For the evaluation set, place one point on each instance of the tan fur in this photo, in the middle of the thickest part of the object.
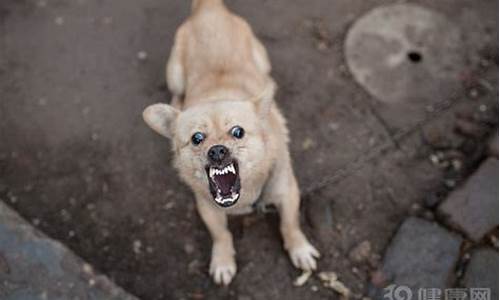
(218, 73)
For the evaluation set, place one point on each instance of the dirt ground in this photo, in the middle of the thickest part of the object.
(77, 160)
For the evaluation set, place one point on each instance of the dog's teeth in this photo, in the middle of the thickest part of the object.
(212, 172)
(231, 168)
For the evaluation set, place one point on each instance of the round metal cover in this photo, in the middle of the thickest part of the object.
(404, 52)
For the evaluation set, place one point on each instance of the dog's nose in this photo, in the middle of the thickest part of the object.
(218, 153)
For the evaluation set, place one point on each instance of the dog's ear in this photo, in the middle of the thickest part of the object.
(160, 117)
(265, 100)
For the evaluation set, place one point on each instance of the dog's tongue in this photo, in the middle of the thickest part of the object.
(225, 183)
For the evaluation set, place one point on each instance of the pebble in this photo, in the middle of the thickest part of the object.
(361, 252)
(137, 247)
(188, 248)
(168, 205)
(41, 3)
(473, 93)
(142, 55)
(307, 144)
(59, 21)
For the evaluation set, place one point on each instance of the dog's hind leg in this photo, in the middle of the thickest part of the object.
(175, 73)
(260, 57)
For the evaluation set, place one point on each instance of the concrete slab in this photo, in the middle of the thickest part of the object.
(482, 271)
(422, 254)
(473, 208)
(33, 266)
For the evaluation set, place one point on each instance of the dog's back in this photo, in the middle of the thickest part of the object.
(219, 49)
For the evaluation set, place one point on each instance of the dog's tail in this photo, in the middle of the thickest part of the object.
(198, 4)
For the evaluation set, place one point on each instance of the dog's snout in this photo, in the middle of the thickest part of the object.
(217, 153)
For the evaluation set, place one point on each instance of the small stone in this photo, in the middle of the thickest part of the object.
(137, 246)
(361, 252)
(456, 164)
(421, 254)
(333, 126)
(12, 199)
(474, 206)
(87, 268)
(302, 279)
(482, 271)
(307, 144)
(168, 205)
(188, 248)
(416, 208)
(105, 232)
(65, 215)
(473, 93)
(483, 108)
(42, 101)
(41, 3)
(450, 183)
(142, 55)
(59, 21)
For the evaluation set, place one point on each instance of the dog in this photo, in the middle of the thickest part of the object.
(229, 139)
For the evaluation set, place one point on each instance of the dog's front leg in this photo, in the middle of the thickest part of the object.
(222, 264)
(283, 191)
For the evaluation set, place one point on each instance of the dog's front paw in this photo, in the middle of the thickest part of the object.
(222, 268)
(304, 256)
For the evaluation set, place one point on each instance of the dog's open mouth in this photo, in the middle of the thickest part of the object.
(224, 183)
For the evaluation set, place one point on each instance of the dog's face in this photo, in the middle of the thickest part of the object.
(218, 146)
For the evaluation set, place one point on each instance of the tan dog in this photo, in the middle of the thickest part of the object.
(229, 138)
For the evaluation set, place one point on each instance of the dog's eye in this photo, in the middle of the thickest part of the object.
(237, 132)
(197, 138)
